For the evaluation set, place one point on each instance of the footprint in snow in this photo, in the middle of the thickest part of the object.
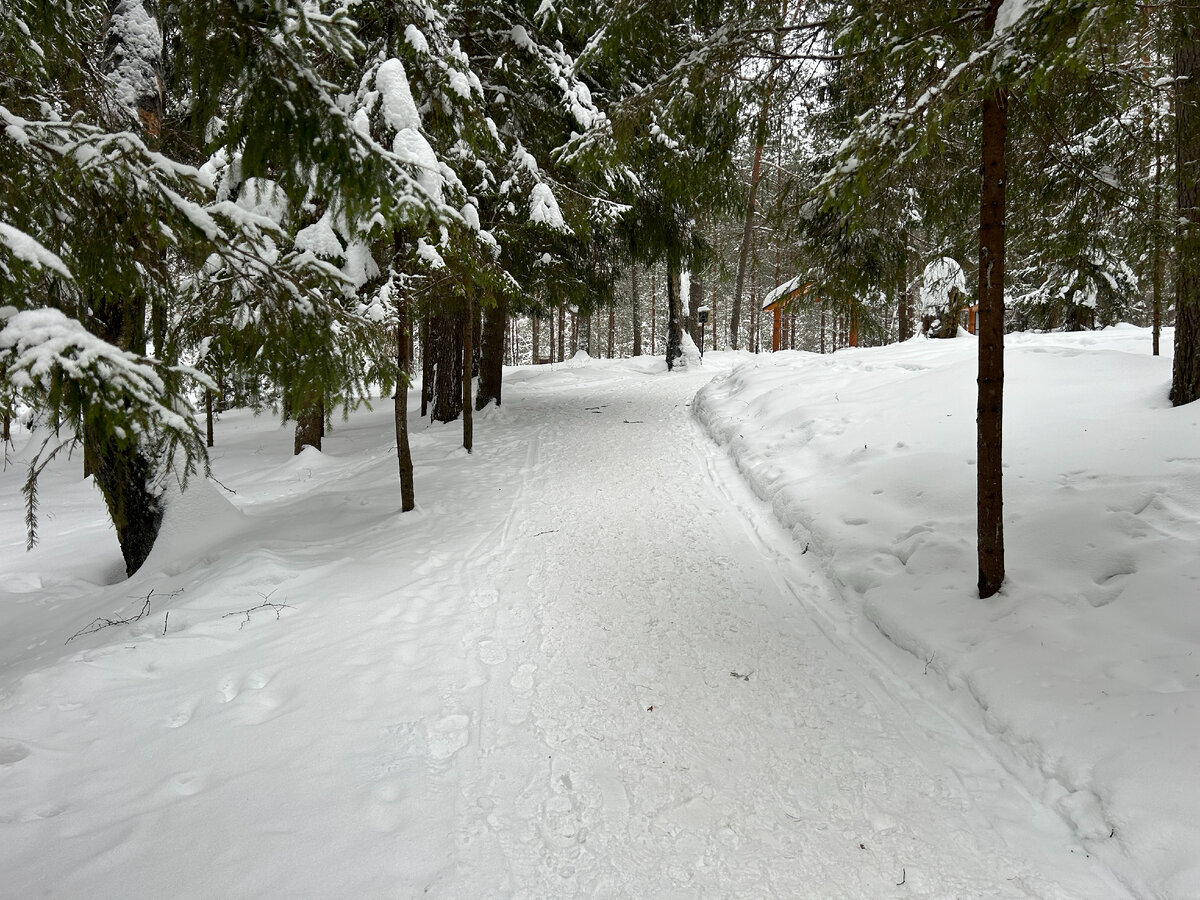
(447, 736)
(12, 753)
(492, 653)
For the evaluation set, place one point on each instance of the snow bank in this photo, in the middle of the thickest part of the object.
(196, 523)
(1085, 666)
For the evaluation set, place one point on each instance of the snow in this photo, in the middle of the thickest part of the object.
(543, 208)
(1084, 669)
(136, 48)
(1011, 12)
(412, 147)
(940, 277)
(320, 238)
(415, 39)
(610, 657)
(29, 250)
(399, 108)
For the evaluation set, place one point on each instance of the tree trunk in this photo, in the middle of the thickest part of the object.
(635, 307)
(904, 309)
(1185, 376)
(674, 323)
(123, 474)
(426, 363)
(562, 332)
(695, 301)
(536, 340)
(446, 333)
(310, 420)
(208, 419)
(468, 355)
(653, 311)
(990, 408)
(404, 459)
(612, 332)
(491, 366)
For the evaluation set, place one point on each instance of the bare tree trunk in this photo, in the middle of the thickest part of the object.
(491, 366)
(562, 332)
(468, 354)
(674, 317)
(1185, 376)
(536, 351)
(612, 332)
(309, 421)
(990, 408)
(404, 368)
(653, 311)
(208, 419)
(427, 376)
(635, 308)
(446, 334)
(695, 301)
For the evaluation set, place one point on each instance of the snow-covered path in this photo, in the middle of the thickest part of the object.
(591, 665)
(664, 713)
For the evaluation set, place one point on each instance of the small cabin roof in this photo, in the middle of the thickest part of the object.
(790, 289)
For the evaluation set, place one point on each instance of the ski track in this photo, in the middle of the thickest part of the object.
(613, 676)
(663, 714)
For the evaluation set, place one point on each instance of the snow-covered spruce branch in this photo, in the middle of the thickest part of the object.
(69, 376)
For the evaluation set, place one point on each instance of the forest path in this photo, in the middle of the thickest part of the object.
(591, 664)
(668, 709)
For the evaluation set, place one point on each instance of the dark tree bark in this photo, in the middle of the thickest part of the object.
(990, 407)
(695, 301)
(904, 311)
(310, 421)
(1185, 375)
(208, 418)
(674, 316)
(562, 332)
(536, 349)
(612, 332)
(491, 367)
(404, 459)
(635, 308)
(468, 340)
(446, 332)
(426, 364)
(123, 474)
(653, 311)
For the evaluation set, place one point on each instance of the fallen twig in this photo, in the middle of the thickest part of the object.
(102, 623)
(278, 607)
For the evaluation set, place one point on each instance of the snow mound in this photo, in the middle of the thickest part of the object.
(1082, 671)
(195, 523)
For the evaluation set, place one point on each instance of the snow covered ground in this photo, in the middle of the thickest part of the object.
(594, 663)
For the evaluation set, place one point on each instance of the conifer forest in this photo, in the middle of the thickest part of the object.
(484, 386)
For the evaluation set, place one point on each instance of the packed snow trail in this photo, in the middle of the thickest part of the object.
(589, 665)
(664, 715)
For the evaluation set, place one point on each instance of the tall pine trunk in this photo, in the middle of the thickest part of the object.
(695, 301)
(404, 459)
(1185, 376)
(990, 407)
(674, 318)
(468, 355)
(446, 332)
(491, 358)
(635, 309)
